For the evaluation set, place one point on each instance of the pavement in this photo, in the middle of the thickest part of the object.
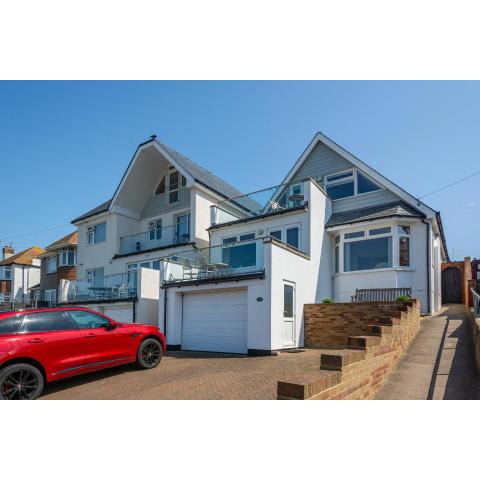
(190, 375)
(439, 365)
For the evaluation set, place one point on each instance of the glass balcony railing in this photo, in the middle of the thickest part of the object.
(108, 287)
(267, 201)
(155, 237)
(232, 259)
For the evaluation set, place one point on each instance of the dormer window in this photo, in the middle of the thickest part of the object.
(348, 184)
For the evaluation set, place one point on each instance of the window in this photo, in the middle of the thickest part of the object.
(276, 234)
(6, 273)
(45, 322)
(52, 264)
(368, 254)
(161, 187)
(287, 234)
(349, 184)
(288, 301)
(10, 325)
(51, 297)
(373, 248)
(67, 256)
(83, 320)
(132, 275)
(97, 233)
(404, 246)
(365, 185)
(241, 253)
(292, 237)
(182, 228)
(155, 230)
(95, 277)
(173, 187)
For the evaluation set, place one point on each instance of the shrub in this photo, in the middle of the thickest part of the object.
(403, 298)
(327, 300)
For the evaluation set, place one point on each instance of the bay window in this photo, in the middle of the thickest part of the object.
(372, 248)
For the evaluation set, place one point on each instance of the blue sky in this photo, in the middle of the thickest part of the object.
(65, 145)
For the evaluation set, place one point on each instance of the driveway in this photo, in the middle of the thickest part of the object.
(188, 375)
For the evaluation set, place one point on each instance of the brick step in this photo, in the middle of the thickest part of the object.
(389, 321)
(379, 330)
(340, 360)
(305, 385)
(363, 341)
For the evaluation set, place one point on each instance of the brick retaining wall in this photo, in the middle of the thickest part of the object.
(377, 334)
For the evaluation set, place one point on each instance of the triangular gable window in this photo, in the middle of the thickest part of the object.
(365, 185)
(161, 187)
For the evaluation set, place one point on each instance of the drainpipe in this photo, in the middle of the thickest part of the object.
(429, 307)
(165, 312)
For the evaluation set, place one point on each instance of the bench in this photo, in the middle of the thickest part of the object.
(380, 294)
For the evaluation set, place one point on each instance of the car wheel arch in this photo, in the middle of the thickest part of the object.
(30, 361)
(151, 335)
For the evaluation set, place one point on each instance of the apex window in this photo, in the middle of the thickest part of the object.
(348, 184)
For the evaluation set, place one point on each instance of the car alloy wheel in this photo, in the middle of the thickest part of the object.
(150, 353)
(20, 384)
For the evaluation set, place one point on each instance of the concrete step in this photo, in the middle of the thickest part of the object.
(363, 341)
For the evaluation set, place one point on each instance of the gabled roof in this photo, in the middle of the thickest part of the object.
(379, 178)
(195, 171)
(387, 210)
(24, 258)
(70, 239)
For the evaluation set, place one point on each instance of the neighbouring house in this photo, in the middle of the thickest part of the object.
(19, 273)
(476, 274)
(58, 263)
(234, 271)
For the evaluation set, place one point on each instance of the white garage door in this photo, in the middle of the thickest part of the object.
(119, 313)
(215, 321)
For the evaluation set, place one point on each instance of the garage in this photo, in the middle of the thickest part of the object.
(120, 313)
(215, 321)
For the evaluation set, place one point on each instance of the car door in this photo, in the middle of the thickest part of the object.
(102, 345)
(50, 338)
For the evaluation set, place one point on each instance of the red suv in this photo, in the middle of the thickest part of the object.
(39, 346)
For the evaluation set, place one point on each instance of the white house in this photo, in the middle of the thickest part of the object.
(19, 274)
(229, 272)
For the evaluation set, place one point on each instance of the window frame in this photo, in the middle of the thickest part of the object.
(155, 227)
(283, 236)
(65, 251)
(92, 233)
(394, 233)
(52, 292)
(3, 270)
(354, 178)
(51, 259)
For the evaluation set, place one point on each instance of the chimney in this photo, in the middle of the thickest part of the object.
(7, 251)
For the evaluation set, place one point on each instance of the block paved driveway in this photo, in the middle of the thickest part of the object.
(189, 375)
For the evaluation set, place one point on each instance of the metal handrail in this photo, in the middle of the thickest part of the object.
(476, 301)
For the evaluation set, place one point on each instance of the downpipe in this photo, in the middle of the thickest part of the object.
(429, 306)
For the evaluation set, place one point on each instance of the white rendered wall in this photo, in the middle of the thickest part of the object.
(148, 294)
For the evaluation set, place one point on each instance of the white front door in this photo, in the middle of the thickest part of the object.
(288, 314)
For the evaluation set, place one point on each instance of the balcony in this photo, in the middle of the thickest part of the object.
(106, 288)
(270, 201)
(154, 238)
(239, 259)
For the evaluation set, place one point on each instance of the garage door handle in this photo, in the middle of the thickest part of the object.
(35, 340)
(90, 335)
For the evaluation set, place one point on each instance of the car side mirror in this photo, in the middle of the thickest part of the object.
(111, 326)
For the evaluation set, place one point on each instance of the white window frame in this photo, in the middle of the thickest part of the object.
(51, 259)
(237, 238)
(354, 178)
(283, 229)
(155, 227)
(51, 296)
(171, 190)
(91, 234)
(90, 274)
(394, 234)
(63, 254)
(3, 272)
(178, 215)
